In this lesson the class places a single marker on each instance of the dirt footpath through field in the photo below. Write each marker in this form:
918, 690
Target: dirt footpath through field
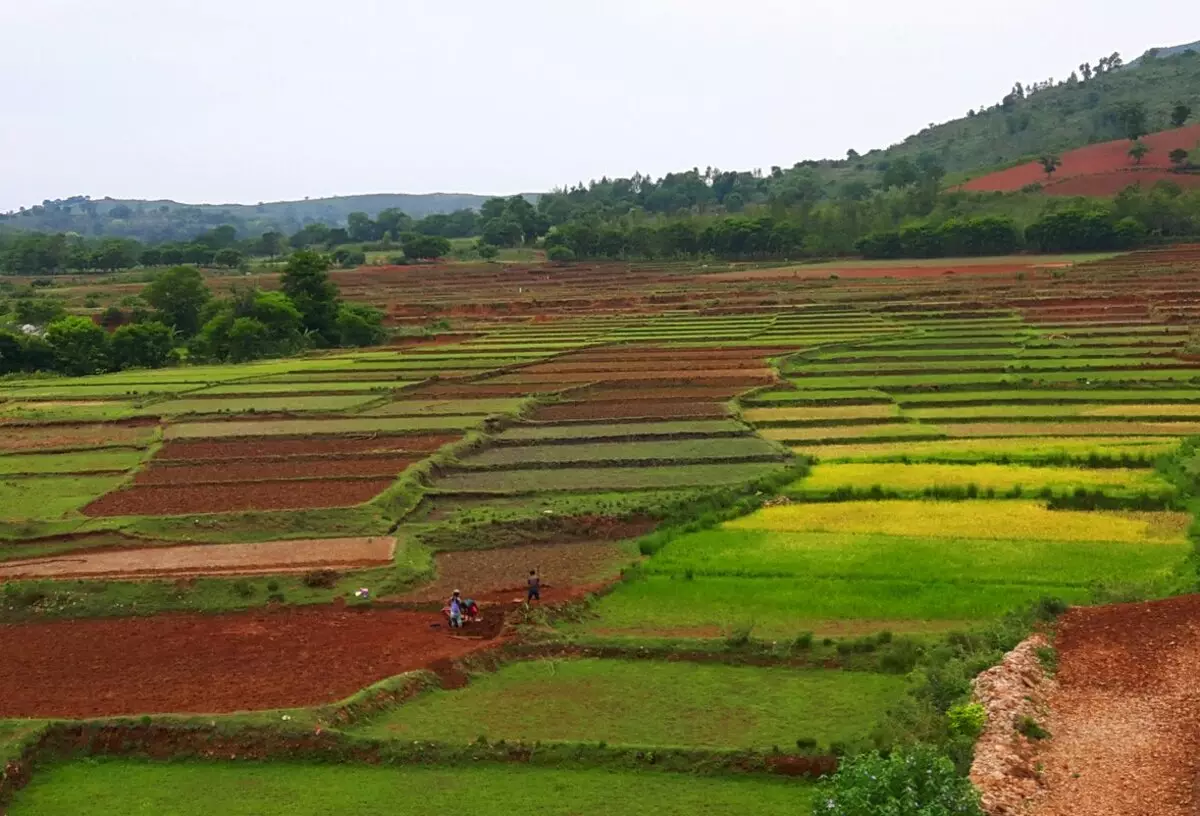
287, 657
1125, 719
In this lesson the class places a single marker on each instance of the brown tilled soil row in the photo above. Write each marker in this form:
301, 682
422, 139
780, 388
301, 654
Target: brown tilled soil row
469, 391
293, 656
251, 448
270, 557
247, 470
183, 499
85, 436
628, 410
605, 393
1125, 718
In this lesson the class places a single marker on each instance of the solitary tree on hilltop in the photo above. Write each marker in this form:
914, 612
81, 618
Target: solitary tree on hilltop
1179, 158
1086, 70
1138, 151
1180, 114
1050, 163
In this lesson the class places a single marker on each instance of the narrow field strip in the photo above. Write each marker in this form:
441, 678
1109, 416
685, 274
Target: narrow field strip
1076, 428
526, 433
633, 409
69, 437
1054, 396
476, 407
203, 449
65, 411
303, 427
49, 497
1029, 449
248, 470
1164, 411
712, 448
174, 500
296, 402
81, 462
829, 433
304, 388
819, 414
647, 703
912, 479
607, 478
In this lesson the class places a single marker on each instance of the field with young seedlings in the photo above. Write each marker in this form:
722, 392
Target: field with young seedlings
764, 504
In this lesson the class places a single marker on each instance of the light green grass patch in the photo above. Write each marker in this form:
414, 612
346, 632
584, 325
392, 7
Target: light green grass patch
1028, 449
769, 397
305, 388
605, 478
646, 703
912, 479
623, 429
66, 411
1052, 395
49, 497
134, 788
80, 462
311, 427
296, 402
1002, 412
79, 391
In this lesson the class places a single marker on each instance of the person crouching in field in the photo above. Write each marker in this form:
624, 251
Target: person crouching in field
535, 587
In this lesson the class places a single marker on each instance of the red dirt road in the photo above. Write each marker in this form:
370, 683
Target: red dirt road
212, 663
1125, 719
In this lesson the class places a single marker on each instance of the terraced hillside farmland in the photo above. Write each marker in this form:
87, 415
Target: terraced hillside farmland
756, 501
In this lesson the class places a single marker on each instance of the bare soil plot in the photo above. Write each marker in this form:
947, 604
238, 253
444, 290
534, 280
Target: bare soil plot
76, 436
1125, 718
292, 656
302, 446
208, 559
248, 470
500, 574
304, 427
174, 500
633, 409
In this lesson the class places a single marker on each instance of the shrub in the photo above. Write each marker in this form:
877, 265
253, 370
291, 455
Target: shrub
560, 254
917, 781
321, 579
739, 638
967, 719
1029, 727
804, 641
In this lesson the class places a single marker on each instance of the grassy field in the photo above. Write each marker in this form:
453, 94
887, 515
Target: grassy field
48, 497
311, 427
1030, 449
606, 478
647, 703
715, 448
911, 479
624, 429
243, 405
132, 788
80, 462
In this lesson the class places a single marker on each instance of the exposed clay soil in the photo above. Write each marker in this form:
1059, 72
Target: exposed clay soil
174, 500
194, 449
254, 469
208, 559
628, 410
293, 656
1125, 719
501, 574
72, 436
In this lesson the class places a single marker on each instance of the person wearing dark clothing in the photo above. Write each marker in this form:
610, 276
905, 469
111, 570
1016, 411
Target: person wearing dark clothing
535, 586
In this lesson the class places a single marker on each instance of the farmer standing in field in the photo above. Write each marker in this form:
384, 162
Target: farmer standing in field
456, 611
535, 587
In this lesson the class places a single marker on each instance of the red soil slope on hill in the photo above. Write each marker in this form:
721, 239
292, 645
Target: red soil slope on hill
1101, 169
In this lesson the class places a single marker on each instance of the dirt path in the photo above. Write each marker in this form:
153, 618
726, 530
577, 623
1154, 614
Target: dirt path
1125, 720
208, 559
296, 656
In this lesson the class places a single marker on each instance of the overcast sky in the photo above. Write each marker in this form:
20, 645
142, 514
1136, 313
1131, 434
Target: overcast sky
259, 100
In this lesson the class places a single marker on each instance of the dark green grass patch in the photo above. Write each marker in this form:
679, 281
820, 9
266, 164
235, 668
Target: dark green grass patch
608, 478
712, 448
627, 430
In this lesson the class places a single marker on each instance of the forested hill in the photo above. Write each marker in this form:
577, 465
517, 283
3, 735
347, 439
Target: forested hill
156, 221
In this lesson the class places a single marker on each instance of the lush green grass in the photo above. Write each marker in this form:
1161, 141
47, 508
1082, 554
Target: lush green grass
80, 462
1053, 395
912, 479
784, 607
1019, 449
80, 390
810, 395
649, 704
133, 788
886, 381
69, 411
48, 497
309, 427
869, 557
712, 448
623, 429
1006, 412
605, 478
241, 405
305, 388
457, 406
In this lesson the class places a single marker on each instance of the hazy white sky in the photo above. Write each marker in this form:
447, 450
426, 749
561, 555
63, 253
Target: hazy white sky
253, 100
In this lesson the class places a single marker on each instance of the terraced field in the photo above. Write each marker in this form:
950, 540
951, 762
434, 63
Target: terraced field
761, 497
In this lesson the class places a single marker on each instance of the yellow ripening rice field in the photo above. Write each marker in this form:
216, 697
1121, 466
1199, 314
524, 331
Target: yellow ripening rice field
1015, 520
982, 449
823, 432
820, 413
902, 477
968, 429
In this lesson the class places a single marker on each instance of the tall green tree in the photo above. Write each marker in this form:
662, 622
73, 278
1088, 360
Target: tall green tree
1180, 114
141, 345
80, 346
306, 282
360, 325
179, 294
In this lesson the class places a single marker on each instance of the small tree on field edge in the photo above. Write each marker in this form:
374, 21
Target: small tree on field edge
1180, 114
1138, 151
1179, 157
1050, 163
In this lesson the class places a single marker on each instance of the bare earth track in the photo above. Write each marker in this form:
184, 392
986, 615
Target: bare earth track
297, 656
1125, 720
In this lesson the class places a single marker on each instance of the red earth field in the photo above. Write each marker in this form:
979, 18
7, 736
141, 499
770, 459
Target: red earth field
1100, 169
301, 446
182, 499
293, 656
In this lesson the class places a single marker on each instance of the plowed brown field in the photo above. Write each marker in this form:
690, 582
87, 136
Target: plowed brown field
309, 445
175, 500
244, 470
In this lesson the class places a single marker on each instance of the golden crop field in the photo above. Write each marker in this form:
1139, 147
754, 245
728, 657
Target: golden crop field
986, 447
915, 477
820, 413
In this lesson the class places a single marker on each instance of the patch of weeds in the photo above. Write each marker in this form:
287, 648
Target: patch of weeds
243, 589
803, 641
1048, 657
321, 579
1030, 728
967, 719
739, 638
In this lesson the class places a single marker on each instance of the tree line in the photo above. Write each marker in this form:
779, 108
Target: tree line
177, 319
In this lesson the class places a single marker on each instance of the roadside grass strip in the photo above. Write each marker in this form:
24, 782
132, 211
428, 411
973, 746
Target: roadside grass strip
311, 427
646, 703
603, 452
81, 462
525, 433
1002, 520
607, 478
763, 416
1016, 449
50, 497
283, 404
111, 787
912, 479
726, 552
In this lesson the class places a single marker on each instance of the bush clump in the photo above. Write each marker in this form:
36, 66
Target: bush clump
917, 781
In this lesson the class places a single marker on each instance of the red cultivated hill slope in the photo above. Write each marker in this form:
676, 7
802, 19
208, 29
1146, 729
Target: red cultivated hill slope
1101, 169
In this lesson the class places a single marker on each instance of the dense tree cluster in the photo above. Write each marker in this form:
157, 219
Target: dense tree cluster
178, 318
